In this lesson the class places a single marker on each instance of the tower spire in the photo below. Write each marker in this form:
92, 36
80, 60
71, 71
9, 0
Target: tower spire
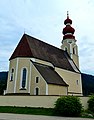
67, 14
69, 41
68, 31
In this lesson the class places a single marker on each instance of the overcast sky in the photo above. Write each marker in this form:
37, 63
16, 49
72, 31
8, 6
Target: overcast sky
44, 19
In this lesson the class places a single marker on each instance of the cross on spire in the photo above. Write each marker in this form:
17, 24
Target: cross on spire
67, 14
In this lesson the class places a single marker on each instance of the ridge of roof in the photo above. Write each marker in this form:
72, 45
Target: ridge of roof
32, 47
43, 42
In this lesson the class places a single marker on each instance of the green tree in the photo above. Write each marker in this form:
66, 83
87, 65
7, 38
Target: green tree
68, 106
3, 85
91, 103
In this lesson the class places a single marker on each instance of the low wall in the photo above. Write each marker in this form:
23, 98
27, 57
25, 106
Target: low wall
34, 101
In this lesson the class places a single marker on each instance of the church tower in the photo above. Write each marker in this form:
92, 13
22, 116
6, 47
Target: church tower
69, 41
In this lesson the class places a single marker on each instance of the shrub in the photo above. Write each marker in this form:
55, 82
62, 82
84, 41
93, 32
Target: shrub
91, 103
68, 106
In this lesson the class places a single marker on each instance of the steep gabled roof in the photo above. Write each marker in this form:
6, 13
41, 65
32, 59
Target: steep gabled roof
49, 74
22, 49
32, 47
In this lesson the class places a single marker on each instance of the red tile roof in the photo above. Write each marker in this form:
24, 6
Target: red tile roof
34, 48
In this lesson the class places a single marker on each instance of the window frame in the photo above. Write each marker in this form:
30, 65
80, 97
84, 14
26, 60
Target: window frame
25, 87
37, 79
38, 91
12, 74
74, 50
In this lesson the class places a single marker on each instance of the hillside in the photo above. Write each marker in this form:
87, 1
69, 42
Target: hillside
87, 84
3, 76
3, 81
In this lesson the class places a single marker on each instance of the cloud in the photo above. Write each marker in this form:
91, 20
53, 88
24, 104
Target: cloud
44, 20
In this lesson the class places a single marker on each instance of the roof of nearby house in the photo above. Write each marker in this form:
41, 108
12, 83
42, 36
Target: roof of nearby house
49, 74
34, 48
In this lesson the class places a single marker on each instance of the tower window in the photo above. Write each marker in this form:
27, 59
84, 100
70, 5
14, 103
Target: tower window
12, 74
66, 49
24, 76
74, 51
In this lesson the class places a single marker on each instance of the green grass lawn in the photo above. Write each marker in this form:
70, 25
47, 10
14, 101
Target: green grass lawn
33, 111
26, 110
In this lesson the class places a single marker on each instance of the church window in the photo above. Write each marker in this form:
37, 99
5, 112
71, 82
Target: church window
24, 76
77, 82
37, 79
36, 91
12, 74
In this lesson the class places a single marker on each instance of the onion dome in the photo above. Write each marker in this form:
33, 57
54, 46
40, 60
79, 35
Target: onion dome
67, 20
68, 31
68, 36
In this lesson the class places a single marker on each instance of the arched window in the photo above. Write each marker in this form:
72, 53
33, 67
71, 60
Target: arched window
36, 91
37, 80
12, 74
73, 50
24, 76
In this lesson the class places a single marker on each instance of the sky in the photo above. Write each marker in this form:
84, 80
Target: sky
44, 19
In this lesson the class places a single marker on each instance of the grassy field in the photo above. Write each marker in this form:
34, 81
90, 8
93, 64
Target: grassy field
26, 110
34, 111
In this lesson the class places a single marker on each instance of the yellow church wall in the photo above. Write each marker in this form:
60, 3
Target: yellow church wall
18, 64
10, 84
73, 79
42, 85
14, 86
57, 90
44, 88
23, 63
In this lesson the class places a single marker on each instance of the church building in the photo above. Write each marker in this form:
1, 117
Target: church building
38, 68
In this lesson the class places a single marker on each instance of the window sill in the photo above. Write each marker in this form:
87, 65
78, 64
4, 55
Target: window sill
11, 80
22, 88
